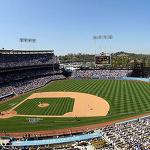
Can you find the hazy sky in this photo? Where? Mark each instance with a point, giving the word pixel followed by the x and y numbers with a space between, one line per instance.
pixel 69 25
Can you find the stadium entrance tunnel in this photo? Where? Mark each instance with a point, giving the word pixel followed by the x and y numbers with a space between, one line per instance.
pixel 85 105
pixel 66 72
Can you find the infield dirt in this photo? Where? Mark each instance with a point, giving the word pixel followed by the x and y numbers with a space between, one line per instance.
pixel 85 105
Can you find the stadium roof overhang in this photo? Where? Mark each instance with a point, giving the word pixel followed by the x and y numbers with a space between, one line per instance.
pixel 2 51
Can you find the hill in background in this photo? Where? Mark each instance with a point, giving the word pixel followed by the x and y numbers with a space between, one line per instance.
pixel 119 59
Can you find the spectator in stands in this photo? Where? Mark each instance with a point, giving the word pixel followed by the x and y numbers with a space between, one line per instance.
pixel 101 74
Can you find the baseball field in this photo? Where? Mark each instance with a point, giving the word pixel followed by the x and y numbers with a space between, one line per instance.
pixel 125 99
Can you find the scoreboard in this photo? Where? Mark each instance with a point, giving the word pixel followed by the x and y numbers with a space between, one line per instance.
pixel 103 59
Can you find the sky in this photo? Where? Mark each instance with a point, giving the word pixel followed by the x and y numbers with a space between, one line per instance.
pixel 68 26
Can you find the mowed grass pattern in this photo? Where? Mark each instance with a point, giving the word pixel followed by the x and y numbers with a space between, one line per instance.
pixel 11 103
pixel 57 106
pixel 124 97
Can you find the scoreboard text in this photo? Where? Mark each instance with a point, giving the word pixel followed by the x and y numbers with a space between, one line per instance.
pixel 101 60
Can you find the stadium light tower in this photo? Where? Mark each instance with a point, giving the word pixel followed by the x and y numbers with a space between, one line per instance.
pixel 102 58
pixel 102 37
pixel 27 40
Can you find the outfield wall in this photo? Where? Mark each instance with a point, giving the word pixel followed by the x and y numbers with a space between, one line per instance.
pixel 133 78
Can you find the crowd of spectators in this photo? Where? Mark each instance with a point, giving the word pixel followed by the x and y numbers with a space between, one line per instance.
pixel 23 86
pixel 131 135
pixel 19 60
pixel 24 71
pixel 23 74
pixel 101 74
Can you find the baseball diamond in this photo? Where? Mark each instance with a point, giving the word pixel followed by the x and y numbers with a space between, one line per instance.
pixel 74 75
pixel 46 106
pixel 83 107
pixel 125 98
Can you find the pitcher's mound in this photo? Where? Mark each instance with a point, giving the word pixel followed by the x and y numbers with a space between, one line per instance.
pixel 43 105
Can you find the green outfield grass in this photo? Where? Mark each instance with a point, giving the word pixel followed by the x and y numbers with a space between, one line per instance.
pixel 126 98
pixel 57 106
pixel 11 103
